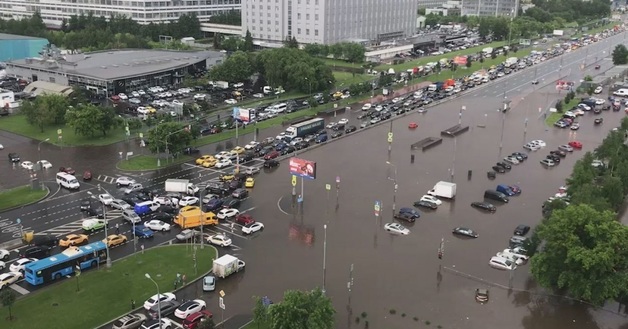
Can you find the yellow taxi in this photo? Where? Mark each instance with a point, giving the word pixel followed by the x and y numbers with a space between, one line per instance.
pixel 227 177
pixel 115 240
pixel 209 163
pixel 238 150
pixel 73 240
pixel 204 158
pixel 151 110
pixel 337 94
pixel 250 182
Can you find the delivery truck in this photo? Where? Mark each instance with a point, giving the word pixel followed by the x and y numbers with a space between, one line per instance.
pixel 443 189
pixel 40 240
pixel 227 265
pixel 305 128
pixel 195 218
pixel 181 186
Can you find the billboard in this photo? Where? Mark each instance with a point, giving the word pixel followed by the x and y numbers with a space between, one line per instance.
pixel 303 168
pixel 243 115
pixel 460 60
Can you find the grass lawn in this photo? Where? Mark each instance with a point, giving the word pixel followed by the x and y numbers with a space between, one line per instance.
pixel 339 62
pixel 345 79
pixel 254 325
pixel 147 162
pixel 106 294
pixel 17 124
pixel 19 196
pixel 555 116
pixel 597 29
pixel 423 60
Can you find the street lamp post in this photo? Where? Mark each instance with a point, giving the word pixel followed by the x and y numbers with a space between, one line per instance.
pixel 104 214
pixel 394 179
pixel 324 257
pixel 158 299
pixel 39 148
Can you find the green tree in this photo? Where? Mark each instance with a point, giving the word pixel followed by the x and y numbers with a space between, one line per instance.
pixel 261 315
pixel 583 253
pixel 235 68
pixel 207 324
pixel 336 50
pixel 188 25
pixel 217 41
pixel 303 310
pixel 354 52
pixel 620 55
pixel 84 120
pixel 45 110
pixel 485 27
pixel 469 62
pixel 232 44
pixel 8 298
pixel 313 49
pixel 169 135
pixel 248 42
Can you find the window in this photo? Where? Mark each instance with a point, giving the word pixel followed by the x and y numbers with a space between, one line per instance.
pixel 316 32
pixel 307 17
pixel 307 31
pixel 299 16
pixel 316 2
pixel 299 31
pixel 315 17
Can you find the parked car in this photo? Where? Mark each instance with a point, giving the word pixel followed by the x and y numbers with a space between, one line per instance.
pixel 465 232
pixel 396 228
pixel 484 206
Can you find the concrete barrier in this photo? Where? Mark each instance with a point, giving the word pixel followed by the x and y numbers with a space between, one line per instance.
pixel 454 131
pixel 426 143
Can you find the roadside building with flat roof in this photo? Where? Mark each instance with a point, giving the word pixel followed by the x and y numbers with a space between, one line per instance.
pixel 14 46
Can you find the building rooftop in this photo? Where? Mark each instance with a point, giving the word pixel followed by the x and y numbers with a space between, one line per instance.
pixel 4 36
pixel 118 64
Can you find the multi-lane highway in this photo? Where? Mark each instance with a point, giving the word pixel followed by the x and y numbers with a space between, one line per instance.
pixel 278 262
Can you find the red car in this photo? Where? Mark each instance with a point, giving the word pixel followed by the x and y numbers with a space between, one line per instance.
pixel 67 170
pixel 271 155
pixel 87 175
pixel 244 220
pixel 192 321
pixel 575 144
pixel 413 125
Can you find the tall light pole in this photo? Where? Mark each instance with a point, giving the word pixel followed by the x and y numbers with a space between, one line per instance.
pixel 501 138
pixel 324 257
pixel 104 214
pixel 394 179
pixel 158 298
pixel 39 148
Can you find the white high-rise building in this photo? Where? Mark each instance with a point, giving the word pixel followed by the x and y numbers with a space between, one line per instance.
pixel 329 21
pixel 142 11
pixel 490 8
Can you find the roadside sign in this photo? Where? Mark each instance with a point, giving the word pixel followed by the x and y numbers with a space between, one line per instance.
pixel 337 179
pixel 294 180
pixel 19 221
pixel 377 207
pixel 390 137
pixel 300 199
pixel 328 187
pixel 59 131
pixel 222 293
pixel 141 135
pixel 221 303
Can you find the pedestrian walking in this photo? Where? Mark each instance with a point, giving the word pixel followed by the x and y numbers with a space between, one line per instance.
pixel 117 228
pixel 132 304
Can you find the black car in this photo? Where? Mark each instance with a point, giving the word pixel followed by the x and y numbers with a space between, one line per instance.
pixel 97 212
pixel 301 145
pixel 235 184
pixel 484 206
pixel 13 157
pixel 190 150
pixel 499 169
pixel 168 209
pixel 265 151
pixel 351 129
pixel 522 230
pixel 406 216
pixel 240 193
pixel 132 200
pixel 336 134
pixel 86 204
pixel 426 204
pixel 288 149
pixel 520 156
pixel 410 211
pixel 246 157
pixel 38 252
pixel 338 127
pixel 162 216
pixel 231 202
pixel 558 153
pixel 504 165
pixel 553 157
pixel 272 163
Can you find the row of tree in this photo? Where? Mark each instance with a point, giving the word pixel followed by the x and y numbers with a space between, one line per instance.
pixel 584 250
pixel 297 310
pixel 88 32
pixel 349 51
pixel 291 68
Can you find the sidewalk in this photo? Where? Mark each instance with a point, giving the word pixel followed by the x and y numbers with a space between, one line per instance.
pixel 235 322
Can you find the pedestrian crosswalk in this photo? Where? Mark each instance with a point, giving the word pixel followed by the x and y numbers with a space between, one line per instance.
pixel 106 179
pixel 78 225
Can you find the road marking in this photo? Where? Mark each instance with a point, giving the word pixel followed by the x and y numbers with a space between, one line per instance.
pixel 19 289
pixel 279 206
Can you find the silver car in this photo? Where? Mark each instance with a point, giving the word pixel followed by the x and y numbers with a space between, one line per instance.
pixel 209 283
pixel 129 321
pixel 119 204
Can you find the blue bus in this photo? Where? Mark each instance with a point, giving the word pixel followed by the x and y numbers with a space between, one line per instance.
pixel 65 263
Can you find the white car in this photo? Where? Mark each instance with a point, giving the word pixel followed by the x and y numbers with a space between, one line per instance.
pixel 1 147
pixel 154 324
pixel 598 90
pixel 105 199
pixel 539 143
pixel 258 95
pixel 219 240
pixel 45 164
pixel 133 187
pixel 584 107
pixel 190 307
pixel 252 227
pixel 548 163
pixel 227 213
pixel 231 101
pixel 251 145
pixel 396 228
pixel 143 110
pixel 431 199
pixel 331 125
pixel 165 200
pixel 7 279
pixel 599 101
pixel 168 296
pixel 157 225
pixel 123 96
pixel 501 263
pixel 511 159
pixel 222 155
pixel 199 97
pixel 27 165
pixel 516 253
pixel 296 141
pixel 510 257
pixel 188 201
pixel 177 102
pixel 396 100
pixel 343 121
pixel 119 204
pixel 18 265
pixel 223 163
pixel 366 107
pixel 566 148
pixel 124 181
pixel 4 254
pixel 531 147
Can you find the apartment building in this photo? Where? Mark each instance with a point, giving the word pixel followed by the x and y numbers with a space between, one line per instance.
pixel 142 11
pixel 329 21
pixel 490 8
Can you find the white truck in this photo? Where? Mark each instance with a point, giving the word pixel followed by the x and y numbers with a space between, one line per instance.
pixel 443 189
pixel 510 62
pixel 181 186
pixel 227 265
pixel 219 84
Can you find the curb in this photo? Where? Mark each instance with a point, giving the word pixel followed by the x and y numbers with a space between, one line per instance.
pixel 30 203
pixel 141 308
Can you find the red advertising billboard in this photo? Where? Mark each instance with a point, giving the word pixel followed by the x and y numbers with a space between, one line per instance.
pixel 460 60
pixel 303 168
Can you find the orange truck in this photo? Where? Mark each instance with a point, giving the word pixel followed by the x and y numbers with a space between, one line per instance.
pixel 193 218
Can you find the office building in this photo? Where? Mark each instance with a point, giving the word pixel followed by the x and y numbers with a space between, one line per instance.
pixel 431 3
pixel 142 11
pixel 490 8
pixel 328 21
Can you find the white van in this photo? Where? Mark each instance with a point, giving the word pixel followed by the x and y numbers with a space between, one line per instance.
pixel 621 92
pixel 280 108
pixel 68 181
